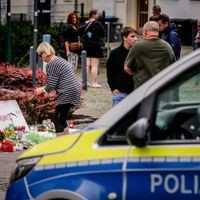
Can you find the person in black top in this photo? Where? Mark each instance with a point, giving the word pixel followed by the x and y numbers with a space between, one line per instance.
pixel 197 37
pixel 70 35
pixel 156 11
pixel 94 31
pixel 196 46
pixel 121 83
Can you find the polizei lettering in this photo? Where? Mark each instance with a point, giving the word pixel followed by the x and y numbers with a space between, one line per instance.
pixel 172 183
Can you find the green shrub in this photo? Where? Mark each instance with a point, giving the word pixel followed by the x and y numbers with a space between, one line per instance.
pixel 22 40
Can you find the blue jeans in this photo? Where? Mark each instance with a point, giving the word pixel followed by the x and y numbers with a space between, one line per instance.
pixel 116 98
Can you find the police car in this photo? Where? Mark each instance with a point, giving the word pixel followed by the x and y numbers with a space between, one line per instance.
pixel 146 147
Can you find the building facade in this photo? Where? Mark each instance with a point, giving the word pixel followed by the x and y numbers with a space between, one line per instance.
pixel 128 12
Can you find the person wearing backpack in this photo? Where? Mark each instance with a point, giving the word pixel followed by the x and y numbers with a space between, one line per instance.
pixel 93 33
pixel 169 33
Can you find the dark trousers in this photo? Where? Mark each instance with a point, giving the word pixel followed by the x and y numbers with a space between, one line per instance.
pixel 60 117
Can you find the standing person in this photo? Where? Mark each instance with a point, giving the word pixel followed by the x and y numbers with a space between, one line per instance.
pixel 196 46
pixel 72 45
pixel 156 10
pixel 93 33
pixel 197 37
pixel 62 79
pixel 121 83
pixel 169 34
pixel 149 56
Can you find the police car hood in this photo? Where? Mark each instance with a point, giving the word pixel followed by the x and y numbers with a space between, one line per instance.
pixel 52 146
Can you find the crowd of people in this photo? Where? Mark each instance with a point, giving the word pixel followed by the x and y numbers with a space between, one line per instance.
pixel 92 32
pixel 60 71
pixel 159 48
pixel 128 66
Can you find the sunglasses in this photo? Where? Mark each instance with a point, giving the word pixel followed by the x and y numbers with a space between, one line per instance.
pixel 40 55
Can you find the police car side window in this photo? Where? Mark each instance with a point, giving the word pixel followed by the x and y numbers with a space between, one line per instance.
pixel 117 134
pixel 178 109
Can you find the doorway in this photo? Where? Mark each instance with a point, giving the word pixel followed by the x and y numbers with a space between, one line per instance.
pixel 142 13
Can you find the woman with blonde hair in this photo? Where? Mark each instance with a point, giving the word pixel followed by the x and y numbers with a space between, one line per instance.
pixel 61 78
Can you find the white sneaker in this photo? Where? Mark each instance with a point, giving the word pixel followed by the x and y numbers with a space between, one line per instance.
pixel 96 85
pixel 89 84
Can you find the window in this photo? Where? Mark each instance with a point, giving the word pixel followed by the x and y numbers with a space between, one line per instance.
pixel 142 10
pixel 117 134
pixel 178 110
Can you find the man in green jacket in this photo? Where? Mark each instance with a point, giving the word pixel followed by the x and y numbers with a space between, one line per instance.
pixel 148 56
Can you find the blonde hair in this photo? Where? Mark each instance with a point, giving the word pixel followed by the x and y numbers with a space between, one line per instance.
pixel 45 48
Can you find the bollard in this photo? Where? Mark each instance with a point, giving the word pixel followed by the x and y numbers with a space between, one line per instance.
pixel 84 69
pixel 31 65
pixel 45 38
pixel 31 57
pixel 108 38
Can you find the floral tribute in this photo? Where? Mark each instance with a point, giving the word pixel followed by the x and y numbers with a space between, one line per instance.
pixel 16 139
pixel 10 138
pixel 16 83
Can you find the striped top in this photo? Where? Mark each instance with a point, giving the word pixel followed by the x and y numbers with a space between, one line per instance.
pixel 60 77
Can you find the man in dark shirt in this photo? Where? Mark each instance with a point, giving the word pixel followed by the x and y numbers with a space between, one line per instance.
pixel 169 33
pixel 121 83
pixel 156 10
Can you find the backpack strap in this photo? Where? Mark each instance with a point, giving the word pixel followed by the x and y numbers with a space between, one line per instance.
pixel 89 24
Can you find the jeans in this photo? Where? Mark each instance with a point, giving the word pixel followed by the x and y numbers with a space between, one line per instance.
pixel 73 61
pixel 116 98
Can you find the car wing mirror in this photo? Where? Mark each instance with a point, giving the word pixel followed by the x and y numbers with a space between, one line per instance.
pixel 137 132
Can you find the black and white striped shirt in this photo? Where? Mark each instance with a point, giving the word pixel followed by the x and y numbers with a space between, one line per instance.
pixel 60 77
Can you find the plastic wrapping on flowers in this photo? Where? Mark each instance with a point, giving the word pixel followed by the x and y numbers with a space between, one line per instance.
pixel 33 138
pixel 15 138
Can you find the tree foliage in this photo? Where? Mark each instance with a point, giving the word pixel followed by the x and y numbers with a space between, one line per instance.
pixel 22 40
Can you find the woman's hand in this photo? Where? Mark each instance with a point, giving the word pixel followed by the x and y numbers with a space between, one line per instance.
pixel 39 91
pixel 116 91
pixel 68 53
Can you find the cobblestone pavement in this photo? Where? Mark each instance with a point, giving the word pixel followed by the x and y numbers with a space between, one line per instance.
pixel 96 101
pixel 7 163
